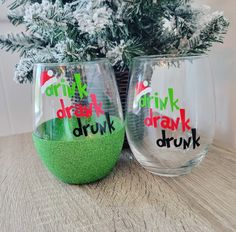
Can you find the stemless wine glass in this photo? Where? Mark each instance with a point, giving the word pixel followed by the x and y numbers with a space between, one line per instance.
pixel 170 112
pixel 78 122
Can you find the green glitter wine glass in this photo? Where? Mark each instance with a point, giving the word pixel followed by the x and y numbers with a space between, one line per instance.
pixel 78 122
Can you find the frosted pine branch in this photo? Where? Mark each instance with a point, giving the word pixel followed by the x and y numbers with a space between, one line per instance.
pixel 67 30
pixel 210 33
pixel 23 71
pixel 19 42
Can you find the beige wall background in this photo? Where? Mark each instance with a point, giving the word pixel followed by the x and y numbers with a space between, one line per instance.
pixel 223 61
pixel 15 99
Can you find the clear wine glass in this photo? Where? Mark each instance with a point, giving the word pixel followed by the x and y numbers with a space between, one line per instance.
pixel 170 113
pixel 78 122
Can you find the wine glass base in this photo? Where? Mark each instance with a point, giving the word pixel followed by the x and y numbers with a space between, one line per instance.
pixel 170 172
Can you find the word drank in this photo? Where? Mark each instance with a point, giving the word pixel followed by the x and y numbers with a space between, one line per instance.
pixel 166 122
pixel 81 110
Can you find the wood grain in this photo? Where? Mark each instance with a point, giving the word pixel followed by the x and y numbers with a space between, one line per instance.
pixel 129 199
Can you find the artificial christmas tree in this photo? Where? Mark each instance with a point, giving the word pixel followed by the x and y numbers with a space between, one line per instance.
pixel 65 31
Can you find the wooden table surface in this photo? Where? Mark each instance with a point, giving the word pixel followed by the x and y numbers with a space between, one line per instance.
pixel 129 199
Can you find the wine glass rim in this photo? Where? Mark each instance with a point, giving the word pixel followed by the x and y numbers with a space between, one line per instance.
pixel 95 61
pixel 171 57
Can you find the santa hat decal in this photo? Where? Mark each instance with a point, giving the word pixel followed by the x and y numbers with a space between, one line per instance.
pixel 47 79
pixel 141 89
